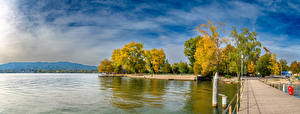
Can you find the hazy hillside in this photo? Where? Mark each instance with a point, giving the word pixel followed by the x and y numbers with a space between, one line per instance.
pixel 45 67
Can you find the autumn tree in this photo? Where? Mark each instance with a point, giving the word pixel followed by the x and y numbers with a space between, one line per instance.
pixel 197 68
pixel 295 67
pixel 190 49
pixel 208 49
pixel 275 66
pixel 206 55
pixel 130 58
pixel 106 66
pixel 251 69
pixel 154 60
pixel 116 58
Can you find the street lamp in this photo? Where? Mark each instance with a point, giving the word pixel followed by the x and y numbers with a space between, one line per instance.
pixel 242 65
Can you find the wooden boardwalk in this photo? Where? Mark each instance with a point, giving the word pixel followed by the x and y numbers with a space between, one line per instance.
pixel 259 98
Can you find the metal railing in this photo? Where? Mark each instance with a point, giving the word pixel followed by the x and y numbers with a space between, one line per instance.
pixel 281 87
pixel 236 98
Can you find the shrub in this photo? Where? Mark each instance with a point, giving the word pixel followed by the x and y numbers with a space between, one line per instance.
pixel 227 76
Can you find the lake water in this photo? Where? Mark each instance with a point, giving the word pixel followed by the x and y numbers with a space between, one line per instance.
pixel 86 93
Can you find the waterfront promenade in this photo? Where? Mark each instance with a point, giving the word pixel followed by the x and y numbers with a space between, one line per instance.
pixel 259 98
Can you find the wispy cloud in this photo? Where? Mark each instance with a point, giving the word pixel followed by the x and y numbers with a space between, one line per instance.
pixel 88 31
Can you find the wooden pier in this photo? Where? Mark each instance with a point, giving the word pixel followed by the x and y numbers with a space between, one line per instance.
pixel 259 98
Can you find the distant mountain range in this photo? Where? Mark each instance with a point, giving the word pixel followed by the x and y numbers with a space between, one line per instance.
pixel 46 67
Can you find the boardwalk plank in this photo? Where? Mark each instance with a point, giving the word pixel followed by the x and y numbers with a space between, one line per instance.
pixel 259 98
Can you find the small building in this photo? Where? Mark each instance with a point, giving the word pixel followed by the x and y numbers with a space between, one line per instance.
pixel 286 73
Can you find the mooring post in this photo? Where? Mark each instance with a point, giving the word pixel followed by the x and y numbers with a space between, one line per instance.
pixel 224 100
pixel 215 91
pixel 283 87
pixel 229 110
pixel 237 103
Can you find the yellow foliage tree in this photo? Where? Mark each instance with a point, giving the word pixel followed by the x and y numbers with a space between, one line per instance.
pixel 251 68
pixel 130 58
pixel 205 55
pixel 154 59
pixel 116 57
pixel 117 60
pixel 197 68
pixel 208 48
pixel 106 66
pixel 275 66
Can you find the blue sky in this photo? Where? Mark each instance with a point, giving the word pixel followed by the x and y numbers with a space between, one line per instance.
pixel 87 31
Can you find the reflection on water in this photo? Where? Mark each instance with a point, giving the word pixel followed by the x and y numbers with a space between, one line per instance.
pixel 134 93
pixel 86 93
pixel 179 96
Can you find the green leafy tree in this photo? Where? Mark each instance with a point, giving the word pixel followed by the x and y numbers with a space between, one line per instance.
pixel 263 65
pixel 246 44
pixel 226 58
pixel 166 68
pixel 175 68
pixel 283 65
pixel 183 67
pixel 191 70
pixel 190 49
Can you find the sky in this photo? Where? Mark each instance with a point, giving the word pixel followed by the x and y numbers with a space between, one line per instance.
pixel 87 31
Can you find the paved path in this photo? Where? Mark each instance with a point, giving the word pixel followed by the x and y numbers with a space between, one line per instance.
pixel 259 98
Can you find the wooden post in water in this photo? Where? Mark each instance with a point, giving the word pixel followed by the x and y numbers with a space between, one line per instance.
pixel 237 103
pixel 229 110
pixel 215 91
pixel 283 87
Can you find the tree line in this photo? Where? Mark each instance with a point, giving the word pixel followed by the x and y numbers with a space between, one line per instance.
pixel 211 51
pixel 132 58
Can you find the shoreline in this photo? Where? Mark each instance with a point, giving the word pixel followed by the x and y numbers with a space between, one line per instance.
pixel 183 77
pixel 279 81
pixel 188 77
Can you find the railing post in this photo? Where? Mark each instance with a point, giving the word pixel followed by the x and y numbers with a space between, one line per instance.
pixel 229 111
pixel 283 87
pixel 237 103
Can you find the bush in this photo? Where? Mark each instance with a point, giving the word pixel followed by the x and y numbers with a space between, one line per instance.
pixel 227 76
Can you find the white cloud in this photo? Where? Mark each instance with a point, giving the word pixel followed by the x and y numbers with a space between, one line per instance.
pixel 285 49
pixel 93 37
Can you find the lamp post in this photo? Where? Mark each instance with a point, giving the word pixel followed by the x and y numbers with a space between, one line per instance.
pixel 242 65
